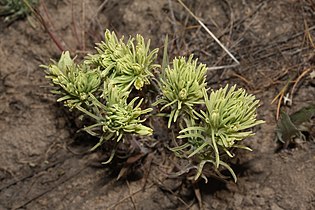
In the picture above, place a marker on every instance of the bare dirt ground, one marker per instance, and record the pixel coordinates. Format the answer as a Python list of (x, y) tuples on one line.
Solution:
[(43, 161)]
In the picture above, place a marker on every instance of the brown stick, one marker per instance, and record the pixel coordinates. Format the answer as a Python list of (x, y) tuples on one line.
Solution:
[(40, 18)]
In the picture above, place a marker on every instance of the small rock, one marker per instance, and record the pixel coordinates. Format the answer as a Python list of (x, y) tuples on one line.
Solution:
[(259, 201), (215, 203), (248, 201), (238, 199), (171, 184), (274, 206), (268, 192)]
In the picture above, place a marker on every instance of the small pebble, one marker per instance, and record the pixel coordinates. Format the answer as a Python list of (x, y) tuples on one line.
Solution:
[(267, 192), (259, 201), (274, 206), (248, 201), (238, 199)]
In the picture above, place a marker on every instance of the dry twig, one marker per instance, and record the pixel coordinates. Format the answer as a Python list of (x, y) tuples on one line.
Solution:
[(305, 72), (131, 196), (279, 97), (209, 32)]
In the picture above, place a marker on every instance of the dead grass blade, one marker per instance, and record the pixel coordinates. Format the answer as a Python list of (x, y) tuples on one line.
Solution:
[(209, 32), (279, 97), (305, 72)]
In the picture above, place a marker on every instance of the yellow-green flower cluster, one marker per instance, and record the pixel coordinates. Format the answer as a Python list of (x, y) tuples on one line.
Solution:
[(100, 86), (116, 117), (74, 82), (224, 119), (225, 122), (126, 65), (182, 87)]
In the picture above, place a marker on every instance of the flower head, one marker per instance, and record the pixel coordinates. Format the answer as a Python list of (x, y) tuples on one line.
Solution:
[(116, 117), (182, 87), (74, 82), (127, 65)]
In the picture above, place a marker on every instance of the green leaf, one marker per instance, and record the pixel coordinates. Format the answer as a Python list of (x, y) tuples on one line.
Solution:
[(286, 130), (303, 115), (65, 61)]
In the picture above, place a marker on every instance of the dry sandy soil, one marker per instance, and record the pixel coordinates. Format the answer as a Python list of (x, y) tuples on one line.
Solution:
[(43, 161)]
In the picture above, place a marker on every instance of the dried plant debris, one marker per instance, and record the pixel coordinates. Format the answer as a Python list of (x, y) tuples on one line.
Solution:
[(294, 125)]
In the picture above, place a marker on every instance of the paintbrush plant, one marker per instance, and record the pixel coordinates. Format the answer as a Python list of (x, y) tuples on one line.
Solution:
[(224, 119), (225, 122), (211, 123), (100, 87)]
